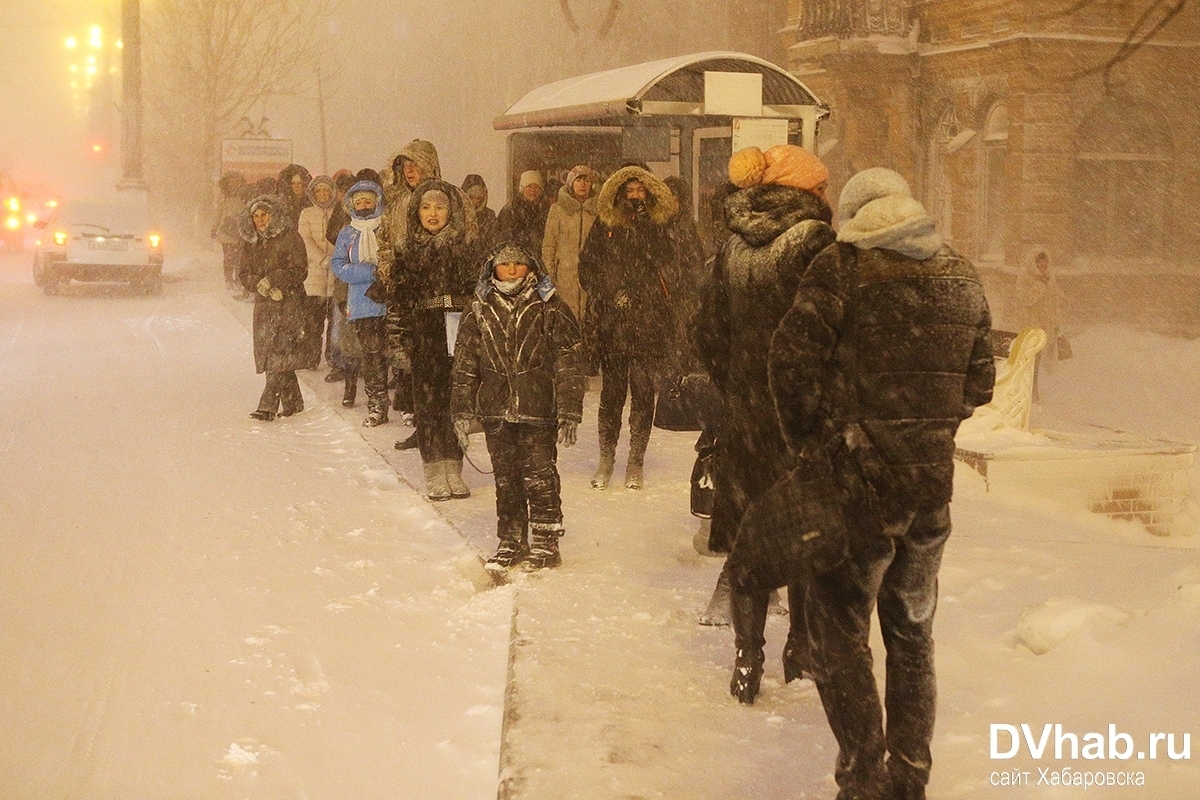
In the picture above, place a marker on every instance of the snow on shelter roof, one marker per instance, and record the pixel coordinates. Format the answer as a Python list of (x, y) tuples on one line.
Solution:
[(669, 87)]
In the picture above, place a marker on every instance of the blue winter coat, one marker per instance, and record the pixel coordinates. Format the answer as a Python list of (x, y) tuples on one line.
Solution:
[(347, 264)]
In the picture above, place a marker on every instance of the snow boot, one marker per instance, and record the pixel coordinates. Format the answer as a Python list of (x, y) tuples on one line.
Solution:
[(797, 658), (264, 415), (377, 411), (543, 546), (748, 610), (608, 456), (458, 489), (407, 444), (436, 487), (633, 476), (512, 551), (334, 375), (717, 612), (638, 441), (350, 390)]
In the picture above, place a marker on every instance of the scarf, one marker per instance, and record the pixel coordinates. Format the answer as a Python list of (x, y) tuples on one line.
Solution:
[(368, 242), (893, 222)]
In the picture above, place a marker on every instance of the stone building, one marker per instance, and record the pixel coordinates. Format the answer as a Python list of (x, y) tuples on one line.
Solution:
[(994, 112)]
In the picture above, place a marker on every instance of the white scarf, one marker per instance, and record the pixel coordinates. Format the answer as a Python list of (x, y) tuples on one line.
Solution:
[(368, 242)]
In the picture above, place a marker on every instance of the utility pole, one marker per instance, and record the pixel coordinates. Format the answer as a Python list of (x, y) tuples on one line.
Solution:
[(131, 97), (321, 112)]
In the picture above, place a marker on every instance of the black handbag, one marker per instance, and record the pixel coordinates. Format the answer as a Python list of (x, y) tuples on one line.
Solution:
[(688, 403), (703, 490)]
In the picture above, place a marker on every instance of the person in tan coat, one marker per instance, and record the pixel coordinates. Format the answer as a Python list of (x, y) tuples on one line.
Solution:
[(567, 226)]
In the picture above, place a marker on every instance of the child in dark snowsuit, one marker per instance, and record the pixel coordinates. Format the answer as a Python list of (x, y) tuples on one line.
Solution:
[(518, 369)]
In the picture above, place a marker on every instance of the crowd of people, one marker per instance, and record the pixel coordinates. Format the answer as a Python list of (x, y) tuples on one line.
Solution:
[(841, 361)]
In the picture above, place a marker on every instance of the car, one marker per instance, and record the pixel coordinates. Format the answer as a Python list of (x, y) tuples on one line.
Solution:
[(99, 240)]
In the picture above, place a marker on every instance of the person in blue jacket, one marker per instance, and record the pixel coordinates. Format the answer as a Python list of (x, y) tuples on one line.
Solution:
[(355, 261)]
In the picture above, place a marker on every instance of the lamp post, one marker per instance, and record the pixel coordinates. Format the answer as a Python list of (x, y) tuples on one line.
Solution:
[(131, 97)]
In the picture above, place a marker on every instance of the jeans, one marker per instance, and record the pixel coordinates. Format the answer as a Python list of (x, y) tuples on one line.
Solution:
[(895, 570)]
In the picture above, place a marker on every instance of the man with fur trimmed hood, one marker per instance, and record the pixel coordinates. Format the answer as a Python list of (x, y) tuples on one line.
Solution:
[(517, 368), (884, 351), (626, 269)]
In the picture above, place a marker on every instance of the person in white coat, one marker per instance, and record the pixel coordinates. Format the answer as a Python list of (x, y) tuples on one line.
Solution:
[(567, 226), (319, 285)]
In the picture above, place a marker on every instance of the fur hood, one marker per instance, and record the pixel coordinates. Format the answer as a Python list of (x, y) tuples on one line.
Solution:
[(277, 225), (570, 204), (761, 213), (545, 286), (290, 171), (662, 209), (322, 180), (460, 227)]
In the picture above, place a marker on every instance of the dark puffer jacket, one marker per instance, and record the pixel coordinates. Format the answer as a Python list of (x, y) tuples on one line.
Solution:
[(277, 254), (778, 230), (890, 353), (518, 358), (627, 267)]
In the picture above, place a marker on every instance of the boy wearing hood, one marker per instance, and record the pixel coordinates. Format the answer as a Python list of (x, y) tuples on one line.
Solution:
[(884, 351), (517, 368), (356, 262)]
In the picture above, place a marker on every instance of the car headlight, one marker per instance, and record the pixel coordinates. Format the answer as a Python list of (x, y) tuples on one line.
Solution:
[(60, 238), (155, 240)]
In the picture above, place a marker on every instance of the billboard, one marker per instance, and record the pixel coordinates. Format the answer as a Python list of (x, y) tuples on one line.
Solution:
[(255, 158)]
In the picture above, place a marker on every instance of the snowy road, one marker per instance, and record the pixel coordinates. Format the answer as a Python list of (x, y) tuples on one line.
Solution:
[(197, 605), (194, 604)]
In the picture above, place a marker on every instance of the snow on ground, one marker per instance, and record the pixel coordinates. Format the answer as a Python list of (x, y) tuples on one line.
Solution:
[(350, 653)]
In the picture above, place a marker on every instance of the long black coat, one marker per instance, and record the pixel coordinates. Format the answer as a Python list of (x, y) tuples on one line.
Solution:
[(519, 358), (281, 327), (897, 349), (777, 230)]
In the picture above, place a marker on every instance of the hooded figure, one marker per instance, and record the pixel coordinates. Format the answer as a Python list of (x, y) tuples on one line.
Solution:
[(567, 227), (322, 198), (1039, 299), (225, 229), (476, 191), (780, 221), (517, 367), (274, 265), (432, 281), (356, 262), (292, 188), (626, 267), (884, 351), (524, 219)]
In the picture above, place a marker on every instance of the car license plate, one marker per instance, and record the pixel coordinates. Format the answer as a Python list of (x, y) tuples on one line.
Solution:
[(108, 244)]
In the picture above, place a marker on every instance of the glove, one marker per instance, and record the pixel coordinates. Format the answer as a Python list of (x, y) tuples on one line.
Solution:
[(567, 432), (276, 294), (264, 287), (462, 432)]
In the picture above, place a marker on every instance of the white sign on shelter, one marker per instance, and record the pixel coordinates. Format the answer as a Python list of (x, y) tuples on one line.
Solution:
[(763, 133), (736, 94)]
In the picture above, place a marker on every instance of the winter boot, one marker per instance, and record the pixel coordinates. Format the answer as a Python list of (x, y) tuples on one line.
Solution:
[(543, 545), (458, 489), (377, 411), (436, 487), (407, 444), (350, 390), (717, 612), (512, 551), (797, 658), (748, 610), (608, 455), (264, 415), (633, 476)]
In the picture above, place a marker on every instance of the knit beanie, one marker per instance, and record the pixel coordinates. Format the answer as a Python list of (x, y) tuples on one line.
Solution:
[(579, 171), (512, 253), (870, 184), (528, 178), (782, 165)]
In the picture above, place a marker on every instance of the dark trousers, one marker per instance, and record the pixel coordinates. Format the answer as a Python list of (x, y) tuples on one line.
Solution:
[(431, 366), (621, 374), (231, 256), (524, 458), (372, 338), (895, 570), (282, 391)]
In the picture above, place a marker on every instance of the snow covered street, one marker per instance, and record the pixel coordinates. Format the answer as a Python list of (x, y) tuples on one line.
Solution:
[(196, 604)]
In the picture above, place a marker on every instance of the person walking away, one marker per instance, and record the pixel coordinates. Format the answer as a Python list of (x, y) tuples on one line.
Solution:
[(780, 220), (225, 229), (274, 266), (623, 268), (474, 187), (524, 219), (356, 262), (322, 194), (293, 191), (432, 282), (567, 227), (885, 350), (517, 368)]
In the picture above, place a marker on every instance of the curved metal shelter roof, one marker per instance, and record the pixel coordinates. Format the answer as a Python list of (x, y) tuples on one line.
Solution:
[(669, 87)]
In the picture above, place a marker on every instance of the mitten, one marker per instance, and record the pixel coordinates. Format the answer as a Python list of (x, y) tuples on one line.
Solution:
[(567, 432), (462, 432)]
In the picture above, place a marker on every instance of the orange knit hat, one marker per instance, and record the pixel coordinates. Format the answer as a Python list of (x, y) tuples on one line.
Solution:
[(782, 165)]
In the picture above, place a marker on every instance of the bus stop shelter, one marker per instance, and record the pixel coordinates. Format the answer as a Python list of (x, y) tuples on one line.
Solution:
[(681, 116)]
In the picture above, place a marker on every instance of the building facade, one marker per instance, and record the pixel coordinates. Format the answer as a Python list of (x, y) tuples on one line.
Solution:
[(998, 114)]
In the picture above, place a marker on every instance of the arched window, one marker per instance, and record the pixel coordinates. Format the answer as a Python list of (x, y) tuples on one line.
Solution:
[(938, 196), (1123, 155), (995, 153)]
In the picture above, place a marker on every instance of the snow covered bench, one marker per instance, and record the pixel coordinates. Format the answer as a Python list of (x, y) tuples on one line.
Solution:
[(1106, 471)]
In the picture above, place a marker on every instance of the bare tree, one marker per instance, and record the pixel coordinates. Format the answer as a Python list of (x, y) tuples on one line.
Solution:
[(210, 63), (1156, 16)]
